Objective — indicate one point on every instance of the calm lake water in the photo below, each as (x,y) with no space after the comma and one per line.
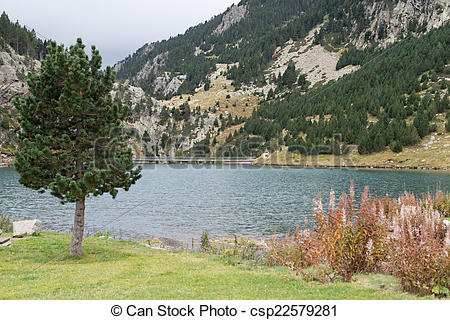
(180,202)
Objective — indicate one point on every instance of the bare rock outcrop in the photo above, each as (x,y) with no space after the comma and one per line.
(391,23)
(142,51)
(153,65)
(13,71)
(234,15)
(168,84)
(154,120)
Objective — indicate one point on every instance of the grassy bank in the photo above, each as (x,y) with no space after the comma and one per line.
(409,159)
(40,268)
(433,152)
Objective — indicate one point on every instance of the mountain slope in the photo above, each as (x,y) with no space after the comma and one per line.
(256,28)
(304,77)
(392,98)
(19,51)
(13,70)
(195,53)
(288,54)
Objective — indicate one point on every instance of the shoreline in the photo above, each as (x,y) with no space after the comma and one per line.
(307,166)
(6,161)
(356,167)
(309,163)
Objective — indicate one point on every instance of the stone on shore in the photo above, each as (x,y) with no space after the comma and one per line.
(26,227)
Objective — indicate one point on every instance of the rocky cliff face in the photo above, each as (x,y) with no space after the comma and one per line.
(167,84)
(145,49)
(153,65)
(160,131)
(234,15)
(13,70)
(389,23)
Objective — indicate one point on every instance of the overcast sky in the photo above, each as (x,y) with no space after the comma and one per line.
(117,28)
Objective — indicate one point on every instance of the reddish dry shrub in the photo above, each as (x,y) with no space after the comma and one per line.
(297,251)
(373,220)
(352,240)
(405,237)
(418,254)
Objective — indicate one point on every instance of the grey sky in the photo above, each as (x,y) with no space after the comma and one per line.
(117,28)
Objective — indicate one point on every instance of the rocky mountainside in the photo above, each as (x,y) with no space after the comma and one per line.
(288,75)
(264,52)
(13,70)
(263,37)
(158,130)
(389,22)
(231,17)
(317,54)
(162,131)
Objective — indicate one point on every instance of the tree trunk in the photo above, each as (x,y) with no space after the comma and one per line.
(78,229)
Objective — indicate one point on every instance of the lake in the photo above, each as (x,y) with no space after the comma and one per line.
(180,202)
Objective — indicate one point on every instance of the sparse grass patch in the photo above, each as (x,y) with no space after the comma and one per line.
(219,95)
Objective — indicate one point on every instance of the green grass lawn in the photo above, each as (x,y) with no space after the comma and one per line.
(40,268)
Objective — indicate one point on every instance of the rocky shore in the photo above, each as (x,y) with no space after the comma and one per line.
(6,161)
(375,167)
(9,163)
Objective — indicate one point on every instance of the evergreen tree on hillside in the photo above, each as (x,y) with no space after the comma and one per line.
(397,147)
(207,85)
(185,111)
(71,141)
(301,80)
(22,40)
(421,123)
(385,88)
(289,76)
(271,94)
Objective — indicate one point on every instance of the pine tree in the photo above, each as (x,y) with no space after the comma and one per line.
(146,136)
(421,123)
(71,141)
(207,85)
(185,111)
(271,94)
(289,76)
(164,140)
(301,80)
(397,147)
